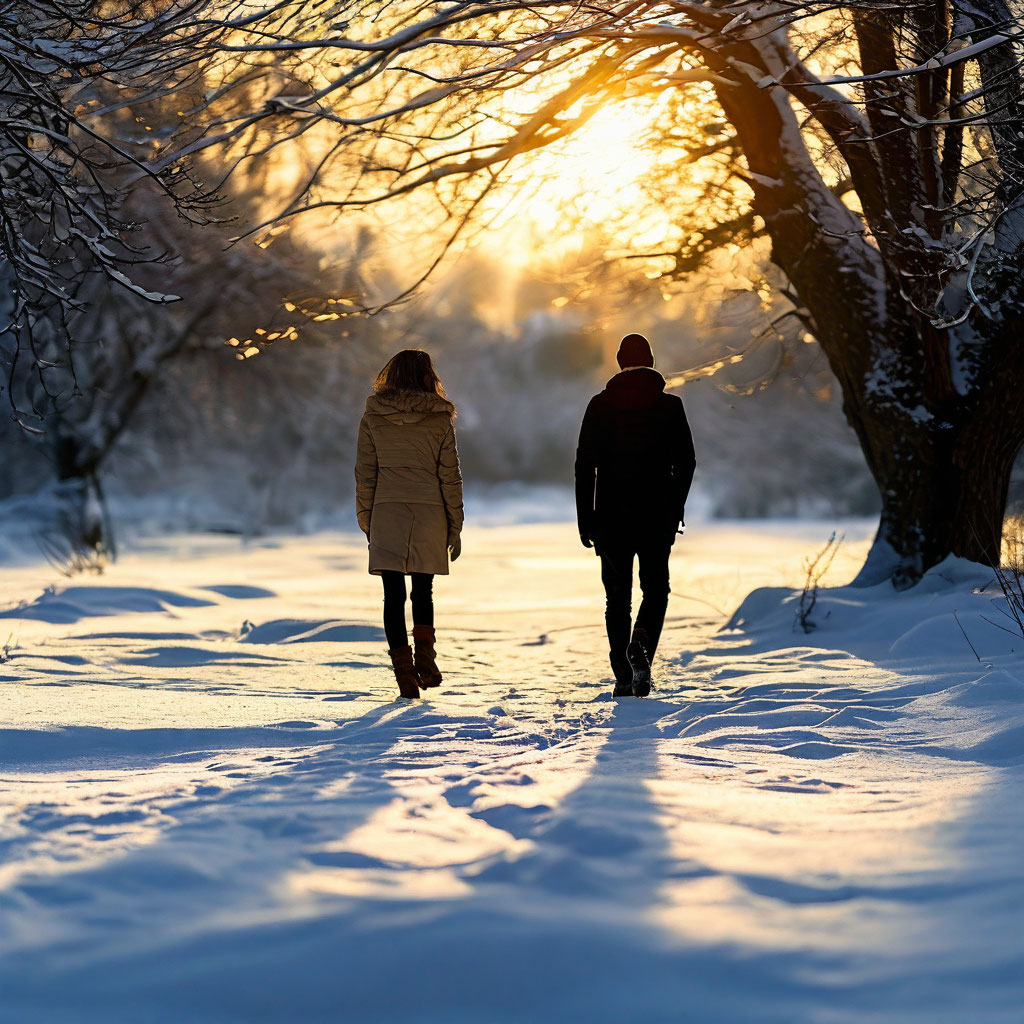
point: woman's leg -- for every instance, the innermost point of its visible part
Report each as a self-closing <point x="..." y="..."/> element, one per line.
<point x="398" y="639"/>
<point x="394" y="609"/>
<point x="423" y="628"/>
<point x="422" y="599"/>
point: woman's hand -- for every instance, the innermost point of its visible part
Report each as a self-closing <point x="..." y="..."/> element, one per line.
<point x="454" y="546"/>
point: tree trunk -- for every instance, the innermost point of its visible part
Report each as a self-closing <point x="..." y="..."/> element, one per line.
<point x="943" y="491"/>
<point x="938" y="409"/>
<point x="86" y="536"/>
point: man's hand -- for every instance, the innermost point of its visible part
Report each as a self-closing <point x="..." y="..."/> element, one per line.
<point x="454" y="545"/>
<point x="586" y="540"/>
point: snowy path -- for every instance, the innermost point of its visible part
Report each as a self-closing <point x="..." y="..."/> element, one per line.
<point x="212" y="810"/>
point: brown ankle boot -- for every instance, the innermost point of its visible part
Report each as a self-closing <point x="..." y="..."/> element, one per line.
<point x="405" y="672"/>
<point x="426" y="667"/>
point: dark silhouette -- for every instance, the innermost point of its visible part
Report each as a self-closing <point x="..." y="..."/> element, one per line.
<point x="409" y="504"/>
<point x="634" y="466"/>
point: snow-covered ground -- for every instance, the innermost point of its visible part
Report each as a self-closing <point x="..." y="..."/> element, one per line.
<point x="214" y="810"/>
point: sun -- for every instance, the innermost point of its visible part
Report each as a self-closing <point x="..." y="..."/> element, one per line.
<point x="591" y="179"/>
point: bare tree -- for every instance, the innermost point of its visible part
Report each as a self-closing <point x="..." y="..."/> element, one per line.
<point x="878" y="147"/>
<point x="238" y="299"/>
<point x="104" y="221"/>
<point x="76" y="79"/>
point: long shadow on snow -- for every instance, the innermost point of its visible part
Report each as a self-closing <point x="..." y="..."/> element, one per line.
<point x="603" y="841"/>
<point x="220" y="856"/>
<point x="562" y="930"/>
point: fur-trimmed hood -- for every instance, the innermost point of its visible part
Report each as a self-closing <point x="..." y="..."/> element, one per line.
<point x="408" y="406"/>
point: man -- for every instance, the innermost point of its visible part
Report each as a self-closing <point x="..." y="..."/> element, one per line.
<point x="634" y="466"/>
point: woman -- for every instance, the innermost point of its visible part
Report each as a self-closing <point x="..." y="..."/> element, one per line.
<point x="409" y="504"/>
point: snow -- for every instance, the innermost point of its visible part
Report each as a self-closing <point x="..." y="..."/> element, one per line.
<point x="214" y="810"/>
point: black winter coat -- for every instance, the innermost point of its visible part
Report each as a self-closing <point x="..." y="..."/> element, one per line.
<point x="635" y="460"/>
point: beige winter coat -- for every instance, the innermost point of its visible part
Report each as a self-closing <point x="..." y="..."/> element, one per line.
<point x="408" y="481"/>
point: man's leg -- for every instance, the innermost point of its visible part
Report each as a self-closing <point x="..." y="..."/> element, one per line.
<point x="617" y="577"/>
<point x="654" y="584"/>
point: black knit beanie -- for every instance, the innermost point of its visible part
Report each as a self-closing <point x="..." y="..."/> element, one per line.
<point x="634" y="350"/>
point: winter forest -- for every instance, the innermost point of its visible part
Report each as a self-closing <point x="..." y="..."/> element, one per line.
<point x="219" y="219"/>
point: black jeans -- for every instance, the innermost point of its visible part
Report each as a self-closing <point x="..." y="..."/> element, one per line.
<point x="394" y="604"/>
<point x="617" y="576"/>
